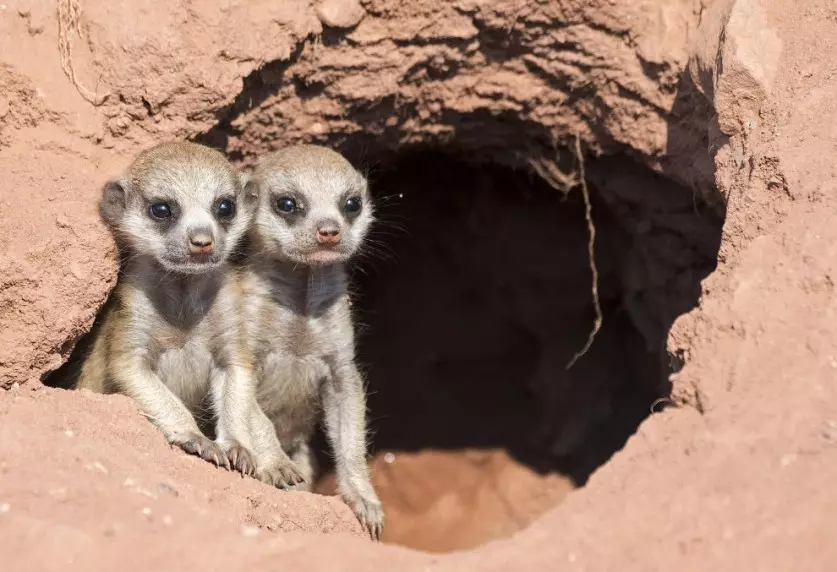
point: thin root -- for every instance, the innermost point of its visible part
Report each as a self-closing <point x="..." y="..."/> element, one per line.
<point x="69" y="17"/>
<point x="591" y="252"/>
<point x="549" y="172"/>
<point x="663" y="401"/>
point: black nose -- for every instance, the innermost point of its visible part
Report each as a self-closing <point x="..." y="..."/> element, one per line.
<point x="201" y="242"/>
<point x="328" y="232"/>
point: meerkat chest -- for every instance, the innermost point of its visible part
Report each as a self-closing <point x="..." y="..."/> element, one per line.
<point x="294" y="368"/>
<point x="185" y="364"/>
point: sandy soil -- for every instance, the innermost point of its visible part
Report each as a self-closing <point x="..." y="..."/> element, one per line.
<point x="731" y="99"/>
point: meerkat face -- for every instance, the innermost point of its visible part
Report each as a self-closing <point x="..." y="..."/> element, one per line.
<point x="314" y="207"/>
<point x="182" y="204"/>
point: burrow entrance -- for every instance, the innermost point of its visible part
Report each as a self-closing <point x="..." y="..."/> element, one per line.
<point x="473" y="298"/>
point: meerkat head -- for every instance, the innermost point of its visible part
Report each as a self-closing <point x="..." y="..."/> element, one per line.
<point x="314" y="207"/>
<point x="182" y="204"/>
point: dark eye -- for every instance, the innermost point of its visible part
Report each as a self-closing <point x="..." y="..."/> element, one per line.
<point x="160" y="211"/>
<point x="353" y="205"/>
<point x="226" y="209"/>
<point x="286" y="205"/>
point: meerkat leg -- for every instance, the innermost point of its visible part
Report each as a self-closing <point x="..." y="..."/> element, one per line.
<point x="232" y="392"/>
<point x="305" y="460"/>
<point x="272" y="464"/>
<point x="166" y="411"/>
<point x="344" y="405"/>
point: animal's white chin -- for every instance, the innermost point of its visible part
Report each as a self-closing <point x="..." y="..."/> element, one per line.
<point x="322" y="257"/>
<point x="203" y="266"/>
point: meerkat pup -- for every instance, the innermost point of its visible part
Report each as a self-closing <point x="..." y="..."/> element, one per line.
<point x="313" y="213"/>
<point x="171" y="339"/>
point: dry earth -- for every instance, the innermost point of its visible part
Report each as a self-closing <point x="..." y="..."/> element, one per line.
<point x="732" y="100"/>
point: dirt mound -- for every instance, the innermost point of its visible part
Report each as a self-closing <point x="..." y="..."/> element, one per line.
<point x="708" y="132"/>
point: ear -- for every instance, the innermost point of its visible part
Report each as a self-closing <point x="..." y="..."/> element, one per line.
<point x="251" y="188"/>
<point x="114" y="201"/>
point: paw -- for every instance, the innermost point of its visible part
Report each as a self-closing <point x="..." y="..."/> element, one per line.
<point x="282" y="473"/>
<point x="241" y="459"/>
<point x="204" y="448"/>
<point x="370" y="513"/>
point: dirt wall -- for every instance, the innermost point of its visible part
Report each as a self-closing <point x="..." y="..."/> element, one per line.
<point x="732" y="98"/>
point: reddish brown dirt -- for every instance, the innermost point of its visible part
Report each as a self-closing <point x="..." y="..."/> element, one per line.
<point x="478" y="496"/>
<point x="739" y="476"/>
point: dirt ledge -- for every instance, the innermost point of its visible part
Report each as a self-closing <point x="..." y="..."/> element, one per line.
<point x="738" y="478"/>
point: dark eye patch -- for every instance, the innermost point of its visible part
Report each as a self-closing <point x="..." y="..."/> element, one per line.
<point x="225" y="209"/>
<point x="352" y="205"/>
<point x="161" y="211"/>
<point x="286" y="205"/>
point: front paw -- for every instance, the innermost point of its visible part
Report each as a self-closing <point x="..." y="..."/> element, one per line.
<point x="282" y="473"/>
<point x="200" y="445"/>
<point x="370" y="513"/>
<point x="241" y="459"/>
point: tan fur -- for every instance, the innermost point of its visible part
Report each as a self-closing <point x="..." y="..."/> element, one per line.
<point x="299" y="320"/>
<point x="172" y="339"/>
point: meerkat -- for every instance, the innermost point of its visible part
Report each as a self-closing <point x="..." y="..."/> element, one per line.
<point x="171" y="335"/>
<point x="313" y="213"/>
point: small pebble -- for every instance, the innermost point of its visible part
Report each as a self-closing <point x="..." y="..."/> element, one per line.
<point x="147" y="493"/>
<point x="96" y="465"/>
<point x="167" y="520"/>
<point x="249" y="531"/>
<point x="340" y="13"/>
<point x="69" y="433"/>
<point x="788" y="460"/>
<point x="146" y="511"/>
<point x="4" y="508"/>
<point x="165" y="489"/>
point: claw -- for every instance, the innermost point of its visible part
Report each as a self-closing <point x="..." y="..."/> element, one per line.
<point x="239" y="459"/>
<point x="370" y="515"/>
<point x="283" y="474"/>
<point x="204" y="448"/>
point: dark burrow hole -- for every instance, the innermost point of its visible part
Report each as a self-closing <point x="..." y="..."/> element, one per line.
<point x="472" y="297"/>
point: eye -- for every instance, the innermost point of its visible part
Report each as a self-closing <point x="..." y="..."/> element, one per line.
<point x="226" y="209"/>
<point x="160" y="211"/>
<point x="286" y="205"/>
<point x="353" y="205"/>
